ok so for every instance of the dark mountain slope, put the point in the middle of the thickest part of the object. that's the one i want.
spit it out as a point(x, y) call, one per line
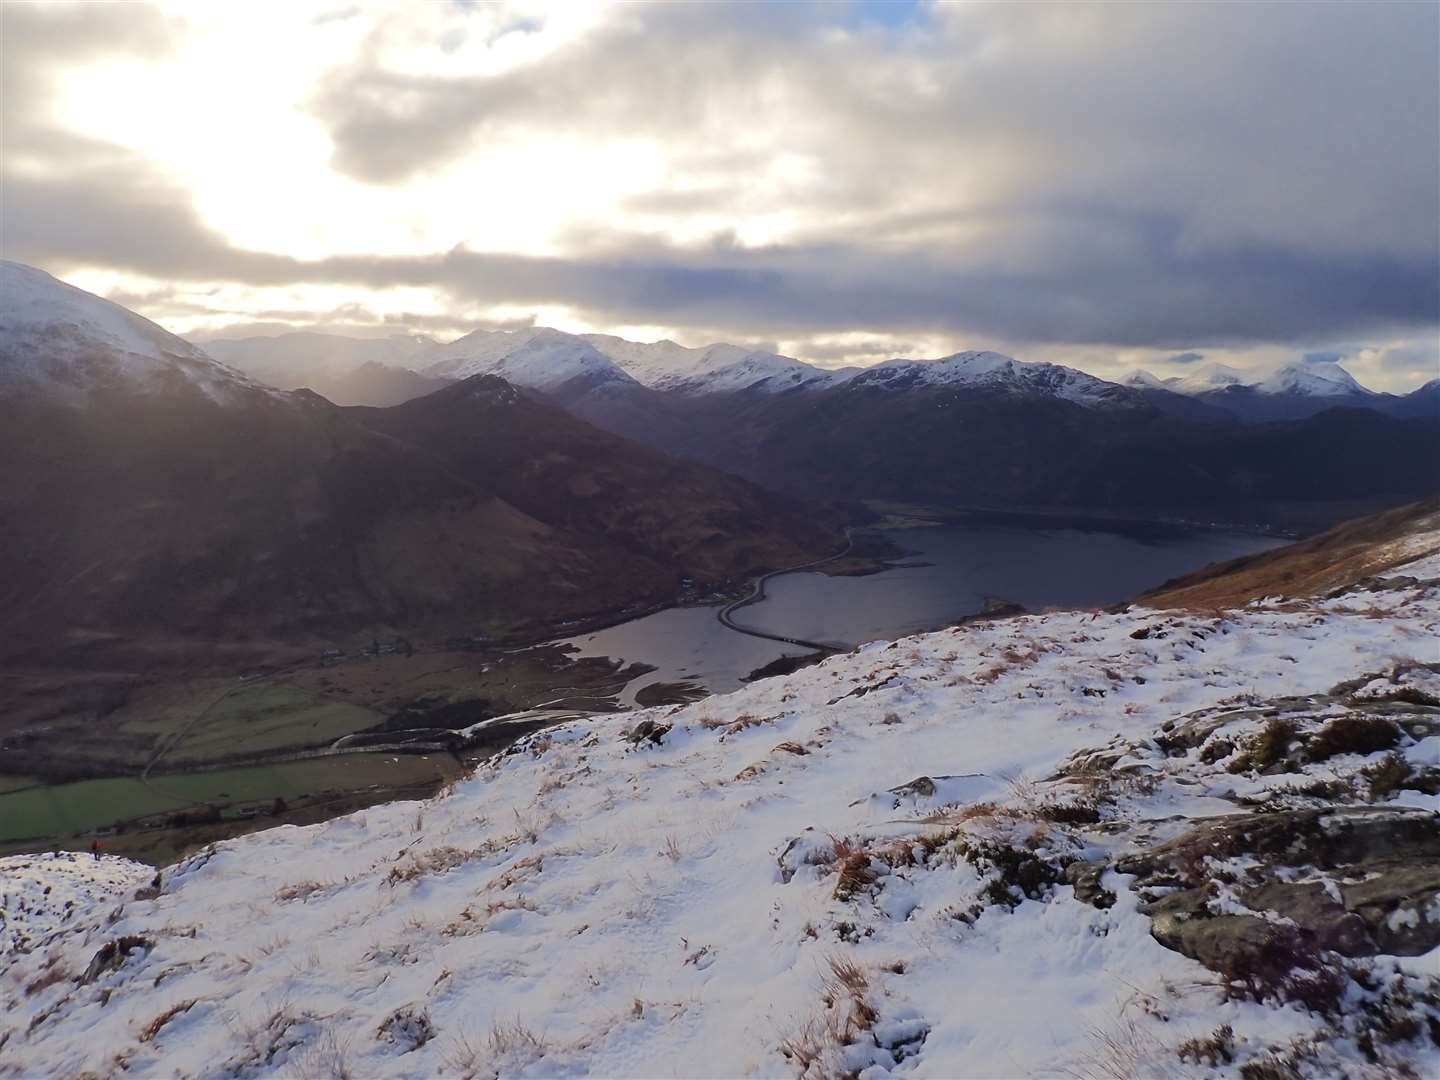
point(373, 384)
point(149, 524)
point(701, 522)
point(976, 445)
point(157, 507)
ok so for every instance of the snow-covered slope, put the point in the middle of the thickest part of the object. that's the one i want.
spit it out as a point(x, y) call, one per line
point(1312, 380)
point(543, 358)
point(1144, 380)
point(41, 894)
point(65, 343)
point(1212, 376)
point(665, 365)
point(851, 870)
point(539, 358)
point(995, 372)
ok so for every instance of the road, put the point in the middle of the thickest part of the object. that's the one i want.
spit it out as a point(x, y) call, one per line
point(758, 593)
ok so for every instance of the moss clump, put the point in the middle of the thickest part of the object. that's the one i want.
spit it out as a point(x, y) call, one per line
point(1353, 735)
point(1018, 874)
point(1266, 748)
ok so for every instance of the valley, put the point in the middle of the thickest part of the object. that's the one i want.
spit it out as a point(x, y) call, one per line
point(171, 764)
point(1189, 835)
point(232, 603)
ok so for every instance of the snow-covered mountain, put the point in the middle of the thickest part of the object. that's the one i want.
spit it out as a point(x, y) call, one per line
point(1292, 392)
point(1302, 380)
point(994, 372)
point(538, 358)
point(66, 344)
point(1152, 843)
point(543, 358)
point(1212, 376)
point(720, 368)
point(1313, 380)
point(1141, 379)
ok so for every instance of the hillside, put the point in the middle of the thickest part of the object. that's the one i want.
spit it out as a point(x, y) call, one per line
point(1158, 843)
point(1368, 547)
point(688, 518)
point(159, 509)
point(899, 438)
point(288, 523)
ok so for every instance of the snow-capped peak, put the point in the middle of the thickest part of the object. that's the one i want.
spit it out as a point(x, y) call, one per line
point(1312, 380)
point(666, 365)
point(993, 371)
point(1212, 376)
point(538, 357)
point(1141, 379)
point(66, 343)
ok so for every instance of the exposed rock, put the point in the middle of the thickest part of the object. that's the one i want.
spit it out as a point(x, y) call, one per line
point(648, 731)
point(1401, 904)
point(1085, 876)
point(1373, 886)
point(1328, 837)
point(1312, 906)
point(113, 954)
point(921, 786)
point(1238, 945)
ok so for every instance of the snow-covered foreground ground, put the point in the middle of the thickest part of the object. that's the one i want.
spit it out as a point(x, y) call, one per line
point(792, 876)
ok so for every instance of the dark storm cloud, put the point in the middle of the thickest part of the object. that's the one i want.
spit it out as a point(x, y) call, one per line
point(1185, 358)
point(123, 216)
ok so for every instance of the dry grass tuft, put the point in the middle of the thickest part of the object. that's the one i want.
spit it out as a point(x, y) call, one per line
point(435, 861)
point(153, 1028)
point(1013, 658)
point(513, 1037)
point(1122, 1051)
point(742, 723)
point(302, 890)
point(327, 1058)
point(845, 1016)
point(856, 875)
point(54, 972)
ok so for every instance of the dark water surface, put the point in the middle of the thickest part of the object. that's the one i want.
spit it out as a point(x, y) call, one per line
point(951, 571)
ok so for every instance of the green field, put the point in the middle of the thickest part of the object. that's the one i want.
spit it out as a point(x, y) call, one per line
point(267, 717)
point(62, 810)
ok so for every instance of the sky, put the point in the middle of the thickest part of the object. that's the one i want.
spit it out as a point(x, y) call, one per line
point(1108, 186)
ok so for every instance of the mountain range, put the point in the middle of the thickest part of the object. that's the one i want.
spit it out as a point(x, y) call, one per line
point(160, 505)
point(534, 476)
point(1298, 449)
point(550, 360)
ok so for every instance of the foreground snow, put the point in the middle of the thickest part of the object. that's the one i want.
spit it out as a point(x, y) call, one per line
point(40, 894)
point(675, 902)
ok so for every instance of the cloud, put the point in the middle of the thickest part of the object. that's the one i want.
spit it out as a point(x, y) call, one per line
point(1132, 177)
point(1185, 358)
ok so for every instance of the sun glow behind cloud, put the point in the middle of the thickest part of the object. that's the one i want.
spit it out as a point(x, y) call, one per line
point(1106, 185)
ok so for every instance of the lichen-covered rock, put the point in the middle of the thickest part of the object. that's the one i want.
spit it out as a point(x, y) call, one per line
point(1355, 880)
